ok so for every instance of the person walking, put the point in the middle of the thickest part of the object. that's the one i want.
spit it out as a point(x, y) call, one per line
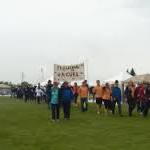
point(138, 97)
point(130, 95)
point(66, 95)
point(116, 98)
point(55, 102)
point(107, 95)
point(75, 93)
point(147, 100)
point(83, 93)
point(142, 98)
point(39, 94)
point(48, 91)
point(98, 92)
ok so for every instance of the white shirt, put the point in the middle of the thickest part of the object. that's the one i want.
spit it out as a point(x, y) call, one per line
point(39, 92)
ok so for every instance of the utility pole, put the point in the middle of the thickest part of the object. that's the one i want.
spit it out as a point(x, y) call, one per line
point(22, 77)
point(87, 68)
point(42, 74)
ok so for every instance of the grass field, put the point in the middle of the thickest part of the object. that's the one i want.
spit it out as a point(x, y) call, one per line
point(28, 127)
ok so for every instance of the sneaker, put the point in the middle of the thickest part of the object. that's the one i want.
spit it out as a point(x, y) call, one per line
point(53, 120)
point(98, 112)
point(141, 113)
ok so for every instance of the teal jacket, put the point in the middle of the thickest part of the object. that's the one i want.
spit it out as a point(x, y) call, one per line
point(55, 92)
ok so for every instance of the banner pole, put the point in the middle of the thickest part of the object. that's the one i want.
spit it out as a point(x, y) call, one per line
point(87, 69)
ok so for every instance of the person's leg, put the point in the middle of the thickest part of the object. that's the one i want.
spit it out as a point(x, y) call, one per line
point(93, 96)
point(113, 106)
point(64, 109)
point(142, 106)
point(38, 100)
point(98, 105)
point(75, 98)
point(110, 105)
point(25, 98)
point(105, 107)
point(105, 104)
point(53, 111)
point(82, 104)
point(130, 107)
point(86, 104)
point(145, 108)
point(57, 111)
point(83, 100)
point(119, 107)
point(148, 106)
point(134, 104)
point(68, 110)
point(138, 106)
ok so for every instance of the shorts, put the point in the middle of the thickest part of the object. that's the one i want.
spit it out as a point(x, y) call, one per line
point(108, 104)
point(98, 101)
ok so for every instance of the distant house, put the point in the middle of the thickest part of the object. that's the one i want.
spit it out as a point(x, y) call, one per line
point(5, 89)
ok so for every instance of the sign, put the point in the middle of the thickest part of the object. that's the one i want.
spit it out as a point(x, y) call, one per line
point(69, 72)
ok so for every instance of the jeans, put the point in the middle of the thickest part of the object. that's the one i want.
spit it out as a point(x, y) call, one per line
point(66, 109)
point(55, 111)
point(146, 106)
point(75, 98)
point(114, 105)
point(38, 99)
point(132, 105)
point(139, 108)
point(84, 104)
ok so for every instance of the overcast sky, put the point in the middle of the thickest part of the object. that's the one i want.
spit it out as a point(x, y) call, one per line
point(112, 35)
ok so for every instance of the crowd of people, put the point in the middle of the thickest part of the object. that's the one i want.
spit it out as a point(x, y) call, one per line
point(107, 97)
point(30, 93)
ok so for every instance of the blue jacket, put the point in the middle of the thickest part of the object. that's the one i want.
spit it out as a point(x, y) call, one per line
point(66, 94)
point(116, 93)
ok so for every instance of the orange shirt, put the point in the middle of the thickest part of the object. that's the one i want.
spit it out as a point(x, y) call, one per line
point(75, 89)
point(83, 91)
point(98, 90)
point(106, 94)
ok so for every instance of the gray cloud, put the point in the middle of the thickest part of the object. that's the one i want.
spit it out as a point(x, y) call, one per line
point(112, 35)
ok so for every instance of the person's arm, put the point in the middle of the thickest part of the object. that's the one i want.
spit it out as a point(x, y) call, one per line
point(60, 96)
point(113, 91)
point(120, 95)
point(94, 90)
point(79, 91)
point(111, 95)
point(126, 92)
point(71, 95)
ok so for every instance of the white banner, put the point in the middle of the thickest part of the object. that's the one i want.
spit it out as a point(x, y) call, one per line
point(69, 72)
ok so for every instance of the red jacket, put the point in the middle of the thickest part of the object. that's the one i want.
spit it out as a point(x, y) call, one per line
point(137, 91)
point(142, 93)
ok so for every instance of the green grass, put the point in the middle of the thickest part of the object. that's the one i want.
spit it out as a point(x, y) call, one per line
point(28, 127)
